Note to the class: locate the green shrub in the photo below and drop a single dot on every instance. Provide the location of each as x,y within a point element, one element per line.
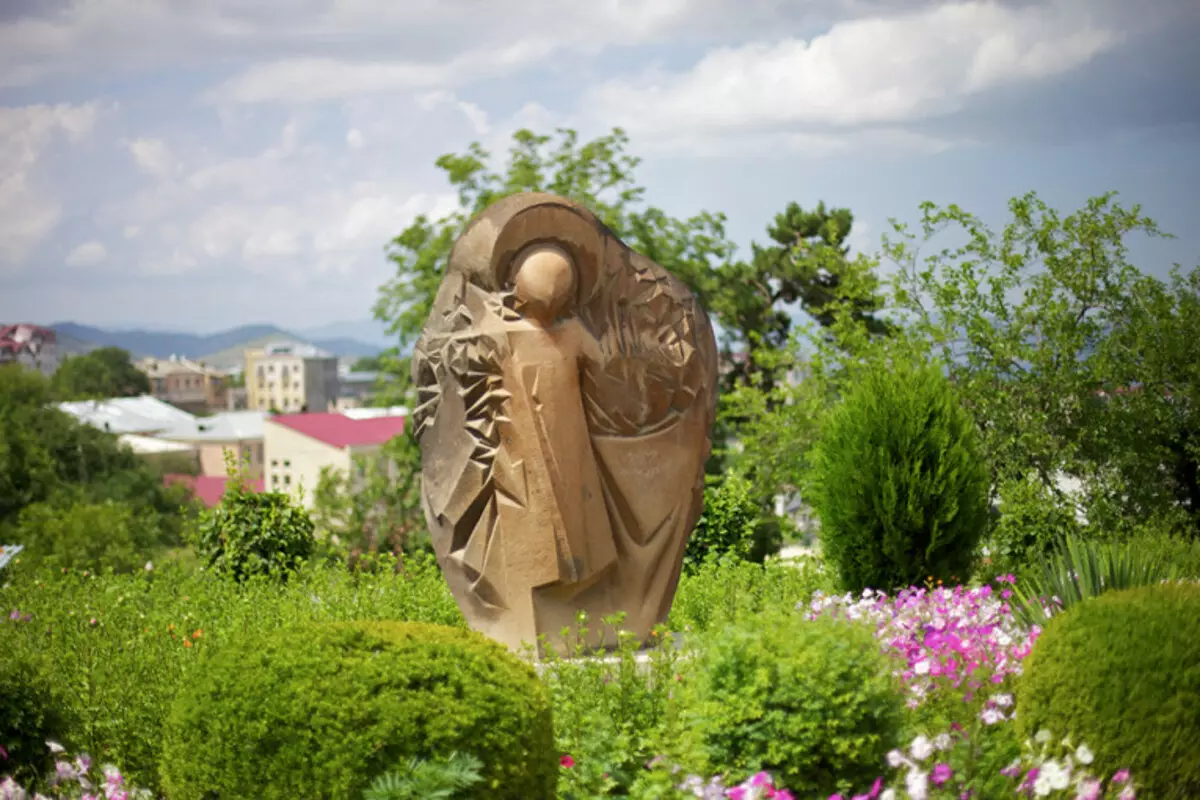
<point>85,535</point>
<point>118,677</point>
<point>30,714</point>
<point>723,590</point>
<point>729,522</point>
<point>1077,569</point>
<point>249,533</point>
<point>1121,672</point>
<point>898,482</point>
<point>813,702</point>
<point>1031,521</point>
<point>323,710</point>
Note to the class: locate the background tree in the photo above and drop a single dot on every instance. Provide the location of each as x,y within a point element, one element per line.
<point>378,507</point>
<point>1033,322</point>
<point>104,372</point>
<point>806,267</point>
<point>47,455</point>
<point>598,173</point>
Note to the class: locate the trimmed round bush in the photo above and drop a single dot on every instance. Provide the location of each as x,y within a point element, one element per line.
<point>1121,673</point>
<point>322,710</point>
<point>898,482</point>
<point>814,702</point>
<point>30,714</point>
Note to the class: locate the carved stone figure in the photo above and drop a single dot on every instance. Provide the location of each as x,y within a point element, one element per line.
<point>566,389</point>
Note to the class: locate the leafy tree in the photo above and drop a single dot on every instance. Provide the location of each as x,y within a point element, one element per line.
<point>378,508</point>
<point>806,266</point>
<point>105,372</point>
<point>45,453</point>
<point>598,173</point>
<point>1034,322</point>
<point>368,364</point>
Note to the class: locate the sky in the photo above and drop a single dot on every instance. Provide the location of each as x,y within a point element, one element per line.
<point>175,165</point>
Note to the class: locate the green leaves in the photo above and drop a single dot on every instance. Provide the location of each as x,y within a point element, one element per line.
<point>250,533</point>
<point>428,779</point>
<point>104,372</point>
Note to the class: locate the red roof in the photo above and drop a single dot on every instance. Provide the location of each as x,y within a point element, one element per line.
<point>208,489</point>
<point>338,430</point>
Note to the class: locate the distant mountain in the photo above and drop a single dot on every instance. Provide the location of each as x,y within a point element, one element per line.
<point>217,349</point>
<point>368,331</point>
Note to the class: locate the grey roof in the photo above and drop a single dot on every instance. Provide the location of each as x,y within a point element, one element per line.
<point>144,414</point>
<point>370,412</point>
<point>149,445</point>
<point>225,426</point>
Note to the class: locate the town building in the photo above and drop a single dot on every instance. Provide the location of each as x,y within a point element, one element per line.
<point>208,489</point>
<point>31,346</point>
<point>290,378</point>
<point>298,446</point>
<point>145,415</point>
<point>187,384</point>
<point>236,433</point>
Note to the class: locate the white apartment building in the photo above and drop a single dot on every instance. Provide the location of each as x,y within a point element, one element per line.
<point>290,378</point>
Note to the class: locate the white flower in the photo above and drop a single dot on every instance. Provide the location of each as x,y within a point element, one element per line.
<point>1055,776</point>
<point>888,794</point>
<point>55,747</point>
<point>1002,700</point>
<point>917,784</point>
<point>942,741</point>
<point>1004,640</point>
<point>896,759</point>
<point>1042,736</point>
<point>1083,755</point>
<point>921,748</point>
<point>991,716</point>
<point>149,566</point>
<point>1127,794</point>
<point>921,667</point>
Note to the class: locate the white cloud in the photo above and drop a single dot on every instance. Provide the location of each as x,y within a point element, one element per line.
<point>152,156</point>
<point>863,72</point>
<point>355,139</point>
<point>29,210</point>
<point>87,254</point>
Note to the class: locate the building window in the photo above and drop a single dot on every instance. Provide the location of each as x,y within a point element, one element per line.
<point>287,480</point>
<point>274,462</point>
<point>287,463</point>
<point>274,478</point>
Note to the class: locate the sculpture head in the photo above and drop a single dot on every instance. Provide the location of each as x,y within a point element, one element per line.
<point>543,282</point>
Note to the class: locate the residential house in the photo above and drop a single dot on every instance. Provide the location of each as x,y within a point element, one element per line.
<point>144,415</point>
<point>290,378</point>
<point>32,346</point>
<point>298,446</point>
<point>238,433</point>
<point>167,456</point>
<point>187,384</point>
<point>356,389</point>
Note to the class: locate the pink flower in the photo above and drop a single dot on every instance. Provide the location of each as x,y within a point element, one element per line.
<point>784,794</point>
<point>941,774</point>
<point>1089,790</point>
<point>3,753</point>
<point>1121,776</point>
<point>566,762</point>
<point>761,779</point>
<point>736,793</point>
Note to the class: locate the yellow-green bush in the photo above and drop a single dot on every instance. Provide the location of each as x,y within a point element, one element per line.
<point>1121,673</point>
<point>813,702</point>
<point>321,710</point>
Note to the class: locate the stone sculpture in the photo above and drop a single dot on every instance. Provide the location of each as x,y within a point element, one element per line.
<point>566,390</point>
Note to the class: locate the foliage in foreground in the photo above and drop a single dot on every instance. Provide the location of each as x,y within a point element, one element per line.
<point>428,779</point>
<point>1122,672</point>
<point>1078,569</point>
<point>118,646</point>
<point>813,701</point>
<point>327,708</point>
<point>897,480</point>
